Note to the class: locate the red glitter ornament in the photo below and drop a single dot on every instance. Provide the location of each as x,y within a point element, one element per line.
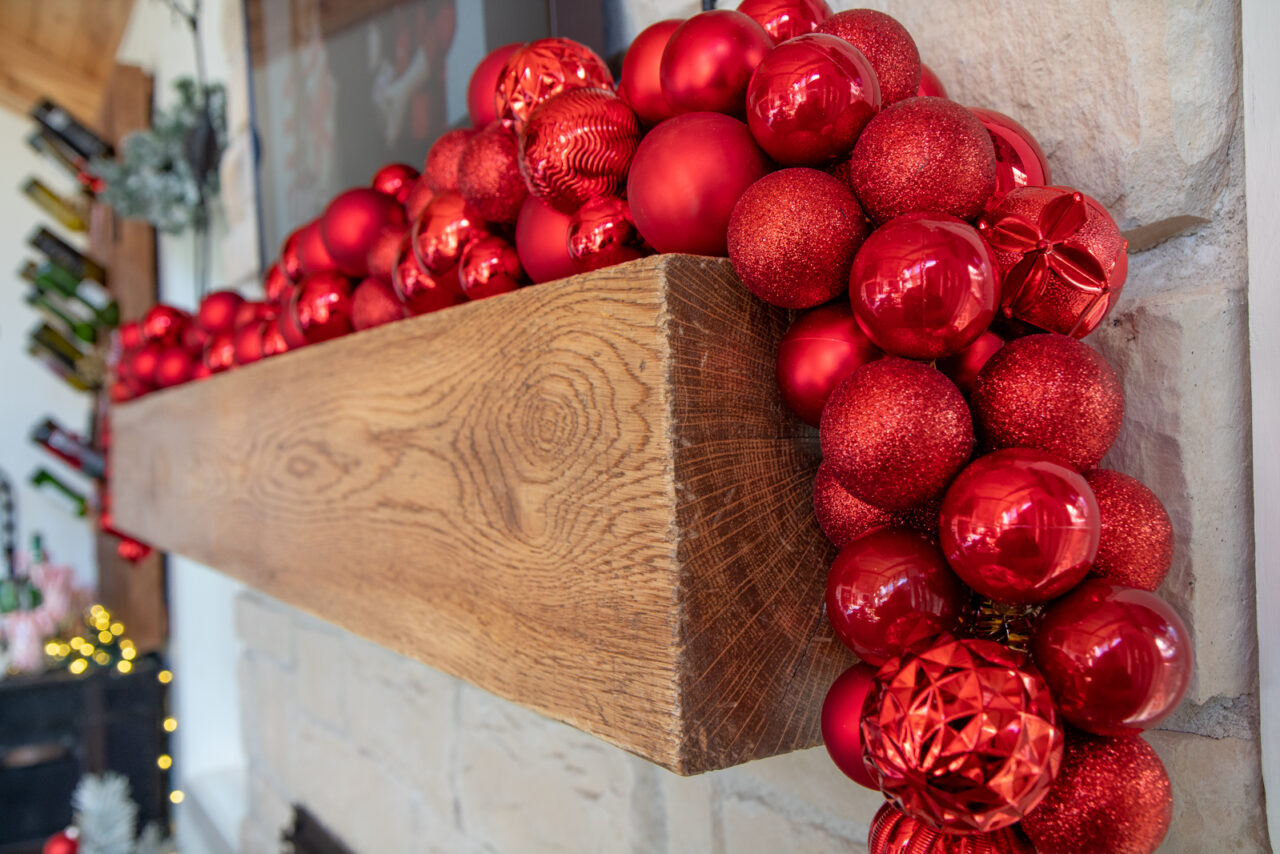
<point>1063,261</point>
<point>313,255</point>
<point>489,175</point>
<point>395,180</point>
<point>275,283</point>
<point>709,60</point>
<point>217,312</point>
<point>542,241</point>
<point>422,292</point>
<point>1020,526</point>
<point>440,170</point>
<point>810,98</point>
<point>443,231</point>
<point>420,195</point>
<point>886,44</point>
<point>641,83</point>
<point>220,353</point>
<point>844,518</point>
<point>544,68</point>
<point>375,303</point>
<point>923,154</point>
<point>489,266</point>
<point>895,832</point>
<point>247,341</point>
<point>896,432</point>
<point>1136,548</point>
<point>321,307</point>
<point>786,19</point>
<point>164,324</point>
<point>963,736</point>
<point>963,367</point>
<point>483,85</point>
<point>290,260</point>
<point>1052,393</point>
<point>793,236</point>
<point>173,366</point>
<point>817,352</point>
<point>1112,796</point>
<point>351,224</point>
<point>923,286</point>
<point>382,253</point>
<point>686,177</point>
<point>601,234</point>
<point>1020,162</point>
<point>842,722</point>
<point>930,85</point>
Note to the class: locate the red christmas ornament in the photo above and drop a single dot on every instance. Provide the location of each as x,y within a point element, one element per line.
<point>542,241</point>
<point>420,195</point>
<point>483,86</point>
<point>895,832</point>
<point>174,366</point>
<point>1136,548</point>
<point>247,341</point>
<point>887,46</point>
<point>930,85</point>
<point>687,175</point>
<point>130,335</point>
<point>963,736</point>
<point>444,230</point>
<point>273,341</point>
<point>63,842</point>
<point>321,308</point>
<point>889,591</point>
<point>421,292</point>
<point>601,234</point>
<point>842,722</point>
<point>382,254</point>
<point>395,180</point>
<point>290,259</point>
<point>818,351</point>
<point>544,68</point>
<point>164,324</point>
<point>122,391</point>
<point>1063,261</point>
<point>440,170</point>
<point>131,550</point>
<point>313,255</point>
<point>489,266</point>
<point>786,19</point>
<point>1052,393</point>
<point>810,98</point>
<point>194,338</point>
<point>793,236</point>
<point>275,283</point>
<point>709,60</point>
<point>963,367</point>
<point>896,432</point>
<point>923,286</point>
<point>923,154</point>
<point>252,312</point>
<point>1118,660</point>
<point>375,303</point>
<point>844,518</point>
<point>351,224</point>
<point>220,353</point>
<point>641,84</point>
<point>1112,796</point>
<point>217,311</point>
<point>201,370</point>
<point>489,175</point>
<point>1020,162</point>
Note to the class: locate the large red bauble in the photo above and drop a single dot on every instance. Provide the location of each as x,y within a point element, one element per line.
<point>217,312</point>
<point>1136,548</point>
<point>489,175</point>
<point>395,180</point>
<point>923,154</point>
<point>1049,392</point>
<point>709,60</point>
<point>1062,259</point>
<point>220,352</point>
<point>62,842</point>
<point>375,303</point>
<point>164,324</point>
<point>923,286</point>
<point>1112,796</point>
<point>313,254</point>
<point>1118,660</point>
<point>930,85</point>
<point>1020,526</point>
<point>421,292</point>
<point>793,236</point>
<point>542,241</point>
<point>887,46</point>
<point>963,366</point>
<point>842,722</point>
<point>248,342</point>
<point>686,177</point>
<point>483,85</point>
<point>544,68</point>
<point>174,366</point>
<point>290,259</point>
<point>275,283</point>
<point>641,83</point>
<point>382,254</point>
<point>440,169</point>
<point>489,266</point>
<point>420,195</point>
<point>321,308</point>
<point>786,19</point>
<point>895,832</point>
<point>844,518</point>
<point>810,98</point>
<point>443,231</point>
<point>889,591</point>
<point>1020,162</point>
<point>603,233</point>
<point>817,352</point>
<point>351,224</point>
<point>896,432</point>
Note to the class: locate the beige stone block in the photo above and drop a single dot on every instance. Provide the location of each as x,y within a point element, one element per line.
<point>268,714</point>
<point>690,806</point>
<point>269,808</point>
<point>322,661</point>
<point>762,826</point>
<point>255,839</point>
<point>265,626</point>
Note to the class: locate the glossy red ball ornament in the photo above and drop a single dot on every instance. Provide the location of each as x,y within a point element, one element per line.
<point>483,85</point>
<point>130,335</point>
<point>220,352</point>
<point>641,84</point>
<point>709,60</point>
<point>313,254</point>
<point>963,736</point>
<point>351,224</point>
<point>1052,393</point>
<point>963,367</point>
<point>275,283</point>
<point>489,266</point>
<point>1112,796</point>
<point>1136,548</point>
<point>174,366</point>
<point>290,257</point>
<point>786,19</point>
<point>395,180</point>
<point>375,303</point>
<point>817,352</point>
<point>686,177</point>
<point>923,286</point>
<point>793,236</point>
<point>1020,162</point>
<point>252,311</point>
<point>842,712</point>
<point>895,832</point>
<point>544,68</point>
<point>603,233</point>
<point>217,312</point>
<point>489,177</point>
<point>924,155</point>
<point>321,308</point>
<point>1063,261</point>
<point>63,842</point>
<point>930,85</point>
<point>382,254</point>
<point>421,292</point>
<point>440,170</point>
<point>164,324</point>
<point>247,341</point>
<point>420,195</point>
<point>889,591</point>
<point>273,341</point>
<point>810,98</point>
<point>542,241</point>
<point>443,231</point>
<point>887,46</point>
<point>896,433</point>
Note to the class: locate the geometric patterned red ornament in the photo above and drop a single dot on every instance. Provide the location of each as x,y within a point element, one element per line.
<point>541,69</point>
<point>895,832</point>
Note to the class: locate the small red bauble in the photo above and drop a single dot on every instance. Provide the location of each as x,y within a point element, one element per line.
<point>963,367</point>
<point>483,85</point>
<point>810,98</point>
<point>1112,796</point>
<point>641,83</point>
<point>1136,548</point>
<point>351,224</point>
<point>395,180</point>
<point>375,303</point>
<point>793,236</point>
<point>251,311</point>
<point>1020,162</point>
<point>321,308</point>
<point>896,432</point>
<point>1118,660</point>
<point>444,230</point>
<point>601,234</point>
<point>248,342</point>
<point>313,255</point>
<point>382,254</point>
<point>686,177</point>
<point>489,266</point>
<point>420,195</point>
<point>544,68</point>
<point>818,351</point>
<point>890,590</point>
<point>421,292</point>
<point>130,335</point>
<point>709,60</point>
<point>842,722</point>
<point>930,85</point>
<point>886,44</point>
<point>174,366</point>
<point>275,283</point>
<point>217,312</point>
<point>220,352</point>
<point>923,286</point>
<point>786,19</point>
<point>895,832</point>
<point>542,241</point>
<point>440,169</point>
<point>489,175</point>
<point>923,154</point>
<point>1052,393</point>
<point>290,259</point>
<point>164,324</point>
<point>63,842</point>
<point>273,341</point>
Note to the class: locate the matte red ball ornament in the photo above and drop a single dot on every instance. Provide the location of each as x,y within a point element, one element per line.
<point>895,832</point>
<point>786,19</point>
<point>887,46</point>
<point>313,254</point>
<point>440,170</point>
<point>217,311</point>
<point>925,155</point>
<point>351,224</point>
<point>444,230</point>
<point>420,195</point>
<point>321,307</point>
<point>395,180</point>
<point>489,266</point>
<point>817,352</point>
<point>489,177</point>
<point>275,283</point>
<point>375,303</point>
<point>544,68</point>
<point>603,233</point>
<point>686,177</point>
<point>483,85</point>
<point>174,366</point>
<point>963,367</point>
<point>220,352</point>
<point>164,324</point>
<point>930,85</point>
<point>63,842</point>
<point>1020,162</point>
<point>248,342</point>
<point>1136,548</point>
<point>382,253</point>
<point>542,241</point>
<point>810,98</point>
<point>422,292</point>
<point>709,60</point>
<point>641,83</point>
<point>842,722</point>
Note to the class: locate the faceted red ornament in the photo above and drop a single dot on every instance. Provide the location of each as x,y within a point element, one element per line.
<point>375,303</point>
<point>923,154</point>
<point>709,61</point>
<point>483,85</point>
<point>420,195</point>
<point>842,722</point>
<point>963,736</point>
<point>810,98</point>
<point>818,351</point>
<point>542,241</point>
<point>290,260</point>
<point>923,286</point>
<point>130,335</point>
<point>1062,258</point>
<point>489,266</point>
<point>443,231</point>
<point>889,591</point>
<point>1112,796</point>
<point>174,366</point>
<point>687,175</point>
<point>63,842</point>
<point>895,832</point>
<point>275,283</point>
<point>793,236</point>
<point>395,180</point>
<point>1136,548</point>
<point>273,341</point>
<point>421,292</point>
<point>844,518</point>
<point>247,341</point>
<point>382,254</point>
<point>601,234</point>
<point>220,352</point>
<point>351,224</point>
<point>489,177</point>
<point>440,170</point>
<point>1020,162</point>
<point>313,255</point>
<point>1052,393</point>
<point>217,311</point>
<point>896,432</point>
<point>164,324</point>
<point>1117,659</point>
<point>544,68</point>
<point>578,146</point>
<point>641,83</point>
<point>786,19</point>
<point>930,85</point>
<point>321,308</point>
<point>963,367</point>
<point>886,44</point>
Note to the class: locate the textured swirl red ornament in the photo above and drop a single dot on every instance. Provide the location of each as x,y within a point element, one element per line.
<point>1136,548</point>
<point>786,19</point>
<point>542,69</point>
<point>886,44</point>
<point>489,266</point>
<point>709,60</point>
<point>817,352</point>
<point>489,177</point>
<point>895,832</point>
<point>641,83</point>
